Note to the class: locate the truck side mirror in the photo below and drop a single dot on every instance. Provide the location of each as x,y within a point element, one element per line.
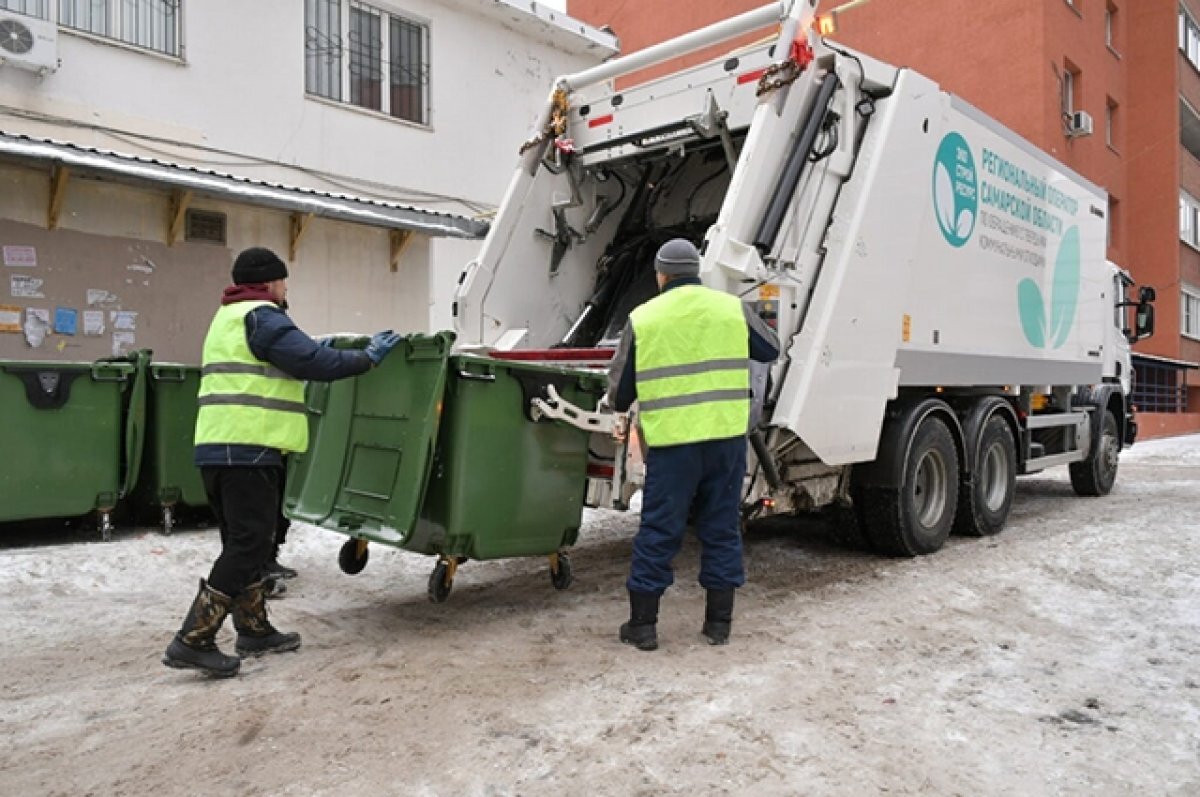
<point>1144,323</point>
<point>1146,295</point>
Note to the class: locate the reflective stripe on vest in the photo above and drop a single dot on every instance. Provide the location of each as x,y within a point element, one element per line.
<point>692,360</point>
<point>243,400</point>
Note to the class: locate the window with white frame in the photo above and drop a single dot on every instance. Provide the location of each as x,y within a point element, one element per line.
<point>1110,26</point>
<point>367,56</point>
<point>149,24</point>
<point>1189,220</point>
<point>1189,37</point>
<point>1189,313</point>
<point>1070,86</point>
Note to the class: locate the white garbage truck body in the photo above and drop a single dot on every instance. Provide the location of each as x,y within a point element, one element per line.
<point>946,312</point>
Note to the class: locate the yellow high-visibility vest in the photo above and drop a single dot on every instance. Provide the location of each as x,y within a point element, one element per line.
<point>692,360</point>
<point>244,400</point>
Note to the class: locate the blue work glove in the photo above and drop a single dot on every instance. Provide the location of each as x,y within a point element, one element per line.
<point>382,343</point>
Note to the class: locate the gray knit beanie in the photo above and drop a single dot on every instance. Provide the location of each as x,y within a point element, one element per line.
<point>677,258</point>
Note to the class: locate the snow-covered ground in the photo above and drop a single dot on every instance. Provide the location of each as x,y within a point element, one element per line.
<point>1058,658</point>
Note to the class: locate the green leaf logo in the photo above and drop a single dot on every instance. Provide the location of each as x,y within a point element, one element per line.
<point>955,189</point>
<point>1064,298</point>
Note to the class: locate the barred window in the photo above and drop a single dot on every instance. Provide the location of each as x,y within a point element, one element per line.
<point>1159,387</point>
<point>150,24</point>
<point>365,56</point>
<point>30,8</point>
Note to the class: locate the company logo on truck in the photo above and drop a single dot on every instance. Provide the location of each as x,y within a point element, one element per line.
<point>1052,332</point>
<point>955,189</point>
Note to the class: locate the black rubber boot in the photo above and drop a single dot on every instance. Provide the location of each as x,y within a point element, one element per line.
<point>641,630</point>
<point>718,616</point>
<point>274,569</point>
<point>195,647</point>
<point>256,635</point>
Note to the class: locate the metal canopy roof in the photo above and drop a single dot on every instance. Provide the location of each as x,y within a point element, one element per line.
<point>218,185</point>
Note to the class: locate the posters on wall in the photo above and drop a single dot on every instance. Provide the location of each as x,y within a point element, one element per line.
<point>93,323</point>
<point>98,297</point>
<point>123,343</point>
<point>20,256</point>
<point>37,325</point>
<point>65,320</point>
<point>10,318</point>
<point>23,286</point>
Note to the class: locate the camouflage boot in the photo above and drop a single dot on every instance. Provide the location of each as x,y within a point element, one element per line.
<point>256,635</point>
<point>195,646</point>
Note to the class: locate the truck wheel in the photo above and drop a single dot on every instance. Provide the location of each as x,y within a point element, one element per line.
<point>915,518</point>
<point>983,504</point>
<point>1097,474</point>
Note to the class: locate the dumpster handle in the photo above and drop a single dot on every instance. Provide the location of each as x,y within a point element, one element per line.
<point>98,374</point>
<point>168,374</point>
<point>476,377</point>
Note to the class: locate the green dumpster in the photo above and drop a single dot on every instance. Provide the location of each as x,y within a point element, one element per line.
<point>72,439</point>
<point>170,478</point>
<point>439,454</point>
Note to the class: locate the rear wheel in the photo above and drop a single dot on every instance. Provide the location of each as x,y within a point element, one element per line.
<point>915,518</point>
<point>984,502</point>
<point>1097,474</point>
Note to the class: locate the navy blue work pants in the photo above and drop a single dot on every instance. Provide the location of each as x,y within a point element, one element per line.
<point>706,478</point>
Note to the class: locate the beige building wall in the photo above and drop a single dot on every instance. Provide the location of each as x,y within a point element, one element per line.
<point>109,256</point>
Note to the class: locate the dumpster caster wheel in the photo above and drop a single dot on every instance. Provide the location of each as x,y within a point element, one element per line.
<point>441,580</point>
<point>106,527</point>
<point>352,558</point>
<point>168,519</point>
<point>560,570</point>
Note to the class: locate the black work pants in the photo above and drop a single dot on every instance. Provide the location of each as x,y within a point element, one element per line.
<point>245,501</point>
<point>282,524</point>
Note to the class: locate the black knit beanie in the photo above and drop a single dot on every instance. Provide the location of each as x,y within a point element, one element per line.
<point>258,264</point>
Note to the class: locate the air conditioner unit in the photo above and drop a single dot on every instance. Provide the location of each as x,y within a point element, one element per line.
<point>28,43</point>
<point>1079,123</point>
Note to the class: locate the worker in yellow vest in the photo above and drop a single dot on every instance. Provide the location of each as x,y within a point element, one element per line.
<point>251,415</point>
<point>685,358</point>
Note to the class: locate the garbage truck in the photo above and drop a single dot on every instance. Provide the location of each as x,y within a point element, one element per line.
<point>947,314</point>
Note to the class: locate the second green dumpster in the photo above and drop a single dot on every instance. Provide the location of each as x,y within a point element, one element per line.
<point>439,454</point>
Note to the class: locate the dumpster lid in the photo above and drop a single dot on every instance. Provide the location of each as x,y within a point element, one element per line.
<point>371,444</point>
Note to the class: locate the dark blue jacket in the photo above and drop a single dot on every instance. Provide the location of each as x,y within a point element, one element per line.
<point>273,337</point>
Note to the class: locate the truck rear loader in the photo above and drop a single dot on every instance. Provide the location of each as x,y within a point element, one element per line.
<point>947,314</point>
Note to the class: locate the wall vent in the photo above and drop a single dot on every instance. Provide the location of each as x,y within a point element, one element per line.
<point>207,226</point>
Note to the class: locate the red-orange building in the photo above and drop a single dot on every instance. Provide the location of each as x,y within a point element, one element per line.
<point>1132,66</point>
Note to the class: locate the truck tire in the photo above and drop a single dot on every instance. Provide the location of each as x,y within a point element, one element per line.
<point>915,518</point>
<point>984,502</point>
<point>1096,475</point>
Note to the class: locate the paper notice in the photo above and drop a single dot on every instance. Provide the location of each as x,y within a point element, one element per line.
<point>26,287</point>
<point>97,297</point>
<point>93,322</point>
<point>122,343</point>
<point>37,325</point>
<point>66,320</point>
<point>123,319</point>
<point>20,256</point>
<point>10,318</point>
